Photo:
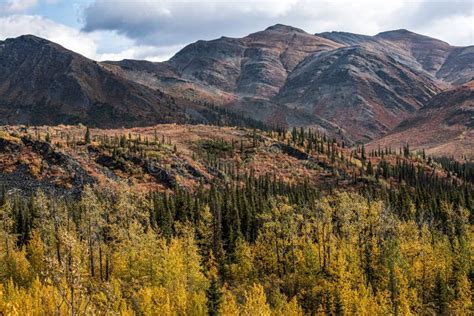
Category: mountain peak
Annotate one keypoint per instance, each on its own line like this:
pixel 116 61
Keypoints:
pixel 398 31
pixel 30 38
pixel 406 34
pixel 33 41
pixel 284 28
pixel 33 44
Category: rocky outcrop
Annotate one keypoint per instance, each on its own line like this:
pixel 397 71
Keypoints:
pixel 365 91
pixel 22 181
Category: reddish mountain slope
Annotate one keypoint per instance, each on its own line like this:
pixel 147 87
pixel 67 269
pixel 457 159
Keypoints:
pixel 444 126
pixel 355 86
pixel 364 85
pixel 44 83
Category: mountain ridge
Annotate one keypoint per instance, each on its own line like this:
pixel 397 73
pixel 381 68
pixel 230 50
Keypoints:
pixel 443 127
pixel 65 87
pixel 249 75
pixel 339 83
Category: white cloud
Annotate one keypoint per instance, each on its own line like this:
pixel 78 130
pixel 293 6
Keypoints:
pixel 171 22
pixel 150 53
pixel 97 45
pixel 71 38
pixel 166 22
pixel 156 29
pixel 463 37
pixel 17 6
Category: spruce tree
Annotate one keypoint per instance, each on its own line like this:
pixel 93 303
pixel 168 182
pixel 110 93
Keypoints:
pixel 214 297
pixel 370 169
pixel 441 295
pixel 87 137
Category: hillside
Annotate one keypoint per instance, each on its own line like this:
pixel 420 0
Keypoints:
pixel 444 126
pixel 163 157
pixel 208 219
pixel 159 157
pixel 285 76
pixel 44 83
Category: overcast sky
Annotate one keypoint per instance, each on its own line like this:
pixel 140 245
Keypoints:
pixel 156 29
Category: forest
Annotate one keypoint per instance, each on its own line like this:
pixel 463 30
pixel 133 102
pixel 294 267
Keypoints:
pixel 396 240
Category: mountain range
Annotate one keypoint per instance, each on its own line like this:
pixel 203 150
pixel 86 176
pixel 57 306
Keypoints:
pixel 360 88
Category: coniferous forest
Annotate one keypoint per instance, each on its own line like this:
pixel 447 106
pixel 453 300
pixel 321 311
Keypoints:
pixel 381 232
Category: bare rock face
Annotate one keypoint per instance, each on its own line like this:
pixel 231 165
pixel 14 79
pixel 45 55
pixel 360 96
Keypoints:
pixel 444 126
pixel 364 85
pixel 367 92
pixel 43 83
pixel 341 83
pixel 256 65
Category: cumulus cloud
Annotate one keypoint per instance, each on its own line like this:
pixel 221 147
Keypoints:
pixel 98 45
pixel 168 22
pixel 142 52
pixel 463 37
pixel 171 22
pixel 71 38
pixel 17 6
pixel 452 21
pixel 429 12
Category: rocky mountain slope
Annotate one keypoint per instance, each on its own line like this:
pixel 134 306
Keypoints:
pixel 363 85
pixel 242 74
pixel 43 83
pixel 254 66
pixel 365 91
pixel 356 87
pixel 444 126
pixel 450 64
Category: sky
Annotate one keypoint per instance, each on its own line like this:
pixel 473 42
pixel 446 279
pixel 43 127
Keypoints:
pixel 156 29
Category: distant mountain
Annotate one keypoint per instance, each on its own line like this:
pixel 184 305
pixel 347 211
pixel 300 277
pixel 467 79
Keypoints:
pixel 44 83
pixel 453 65
pixel 444 126
pixel 367 92
pixel 429 52
pixel 243 74
pixel 353 86
pixel 363 85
